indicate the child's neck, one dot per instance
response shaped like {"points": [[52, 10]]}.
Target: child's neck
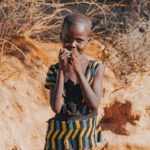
{"points": [[70, 74]]}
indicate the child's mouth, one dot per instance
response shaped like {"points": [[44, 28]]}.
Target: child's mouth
{"points": [[73, 49]]}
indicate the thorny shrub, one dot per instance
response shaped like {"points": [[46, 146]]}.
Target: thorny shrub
{"points": [[123, 27]]}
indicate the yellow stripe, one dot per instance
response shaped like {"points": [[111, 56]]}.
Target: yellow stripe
{"points": [[95, 63], [63, 129], [99, 129], [50, 72], [77, 130], [93, 67], [88, 75], [68, 135], [92, 136], [66, 143], [80, 139], [51, 128], [53, 139], [87, 71], [88, 132], [49, 83], [69, 113], [91, 80]]}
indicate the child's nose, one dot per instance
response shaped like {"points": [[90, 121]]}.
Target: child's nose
{"points": [[73, 44]]}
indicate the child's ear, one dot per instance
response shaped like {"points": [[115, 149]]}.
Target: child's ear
{"points": [[89, 39]]}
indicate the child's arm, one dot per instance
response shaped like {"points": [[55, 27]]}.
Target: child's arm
{"points": [[56, 101], [91, 94], [56, 97]]}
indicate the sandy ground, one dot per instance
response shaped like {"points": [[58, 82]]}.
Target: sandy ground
{"points": [[124, 110]]}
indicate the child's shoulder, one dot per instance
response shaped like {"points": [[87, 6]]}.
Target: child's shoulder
{"points": [[54, 65], [51, 75], [95, 63], [53, 68]]}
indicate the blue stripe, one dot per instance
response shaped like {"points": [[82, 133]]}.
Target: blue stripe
{"points": [[57, 125], [74, 143], [84, 109], [70, 124], [51, 78], [59, 142], [87, 144], [85, 123], [48, 143]]}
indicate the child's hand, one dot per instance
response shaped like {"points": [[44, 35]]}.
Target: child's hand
{"points": [[75, 61], [63, 59]]}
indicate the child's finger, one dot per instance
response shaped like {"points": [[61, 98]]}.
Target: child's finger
{"points": [[74, 58], [64, 53], [67, 51], [75, 53], [64, 56], [61, 52]]}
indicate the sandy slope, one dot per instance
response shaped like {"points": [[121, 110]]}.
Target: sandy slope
{"points": [[125, 110]]}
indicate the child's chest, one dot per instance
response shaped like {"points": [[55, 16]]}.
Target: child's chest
{"points": [[70, 75]]}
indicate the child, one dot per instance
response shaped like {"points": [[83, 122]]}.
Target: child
{"points": [[76, 85]]}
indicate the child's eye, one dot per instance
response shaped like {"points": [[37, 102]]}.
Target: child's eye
{"points": [[79, 40], [65, 39]]}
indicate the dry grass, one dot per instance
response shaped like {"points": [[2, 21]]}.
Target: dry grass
{"points": [[130, 51], [122, 26]]}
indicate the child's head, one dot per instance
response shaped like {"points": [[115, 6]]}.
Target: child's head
{"points": [[75, 32]]}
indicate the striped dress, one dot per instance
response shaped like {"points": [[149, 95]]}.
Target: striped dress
{"points": [[75, 127]]}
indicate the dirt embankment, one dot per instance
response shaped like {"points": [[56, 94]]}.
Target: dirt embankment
{"points": [[124, 110]]}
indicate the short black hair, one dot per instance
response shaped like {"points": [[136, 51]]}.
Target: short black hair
{"points": [[73, 19]]}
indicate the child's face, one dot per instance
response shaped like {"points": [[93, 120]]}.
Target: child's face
{"points": [[75, 37]]}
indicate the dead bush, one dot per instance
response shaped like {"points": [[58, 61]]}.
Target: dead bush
{"points": [[121, 25]]}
